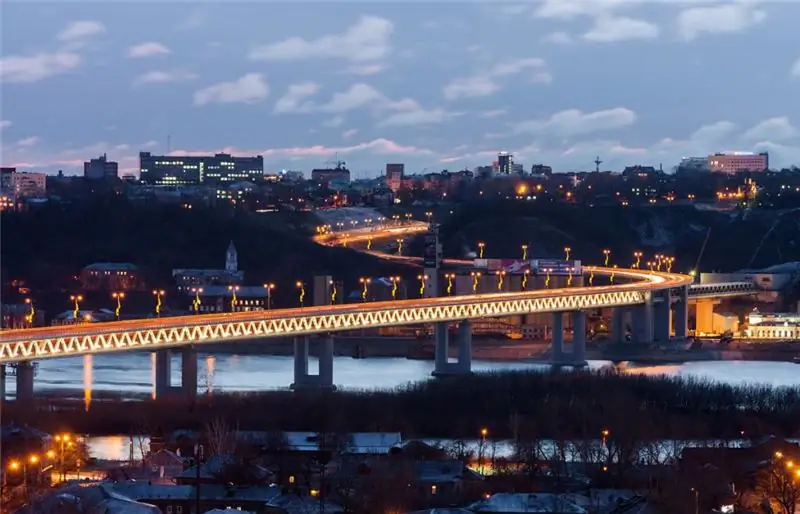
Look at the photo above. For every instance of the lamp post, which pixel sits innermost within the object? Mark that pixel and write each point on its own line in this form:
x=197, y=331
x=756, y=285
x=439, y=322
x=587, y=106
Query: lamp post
x=607, y=254
x=365, y=282
x=302, y=287
x=422, y=279
x=696, y=500
x=547, y=277
x=118, y=296
x=567, y=251
x=197, y=301
x=394, y=280
x=476, y=277
x=525, y=274
x=481, y=248
x=76, y=300
x=613, y=273
x=333, y=291
x=269, y=287
x=449, y=277
x=500, y=276
x=524, y=252
x=399, y=246
x=481, y=446
x=638, y=257
x=429, y=215
x=569, y=276
x=159, y=294
x=234, y=300
x=65, y=441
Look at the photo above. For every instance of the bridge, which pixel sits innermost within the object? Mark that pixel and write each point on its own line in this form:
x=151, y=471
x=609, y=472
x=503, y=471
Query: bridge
x=646, y=296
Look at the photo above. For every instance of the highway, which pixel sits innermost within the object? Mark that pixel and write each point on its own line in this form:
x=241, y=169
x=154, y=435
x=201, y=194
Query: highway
x=80, y=339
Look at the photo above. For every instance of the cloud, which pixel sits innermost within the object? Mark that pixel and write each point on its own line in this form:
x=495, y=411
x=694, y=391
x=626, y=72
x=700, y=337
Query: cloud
x=725, y=18
x=416, y=115
x=772, y=129
x=347, y=134
x=609, y=29
x=571, y=9
x=573, y=122
x=81, y=30
x=485, y=84
x=28, y=141
x=558, y=38
x=4, y=124
x=164, y=77
x=364, y=69
x=794, y=71
x=248, y=88
x=295, y=94
x=147, y=50
x=16, y=69
x=493, y=113
x=336, y=121
x=367, y=40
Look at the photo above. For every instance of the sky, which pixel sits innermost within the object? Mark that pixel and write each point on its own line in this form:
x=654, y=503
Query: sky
x=434, y=85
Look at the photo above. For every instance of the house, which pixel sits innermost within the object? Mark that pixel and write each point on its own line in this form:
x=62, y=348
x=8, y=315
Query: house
x=220, y=469
x=526, y=503
x=165, y=464
x=182, y=499
x=296, y=504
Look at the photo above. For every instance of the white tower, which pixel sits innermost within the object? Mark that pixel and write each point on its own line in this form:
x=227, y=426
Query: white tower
x=231, y=259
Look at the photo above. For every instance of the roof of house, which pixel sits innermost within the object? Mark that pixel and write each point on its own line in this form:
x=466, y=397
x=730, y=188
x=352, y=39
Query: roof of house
x=111, y=266
x=294, y=504
x=518, y=503
x=143, y=491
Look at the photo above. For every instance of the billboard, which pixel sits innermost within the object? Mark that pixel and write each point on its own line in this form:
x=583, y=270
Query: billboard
x=556, y=267
x=510, y=266
x=430, y=256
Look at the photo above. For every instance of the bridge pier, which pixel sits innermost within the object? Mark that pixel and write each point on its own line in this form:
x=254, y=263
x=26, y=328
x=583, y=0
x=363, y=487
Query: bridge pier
x=682, y=314
x=661, y=317
x=642, y=323
x=618, y=330
x=557, y=335
x=579, y=338
x=2, y=383
x=303, y=380
x=163, y=374
x=442, y=365
x=25, y=374
x=704, y=321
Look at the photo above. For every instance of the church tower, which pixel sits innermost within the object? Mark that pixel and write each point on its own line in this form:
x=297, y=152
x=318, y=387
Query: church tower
x=231, y=259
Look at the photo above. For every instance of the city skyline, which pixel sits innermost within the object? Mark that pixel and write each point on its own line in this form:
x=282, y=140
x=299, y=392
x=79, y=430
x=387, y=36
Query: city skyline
x=441, y=86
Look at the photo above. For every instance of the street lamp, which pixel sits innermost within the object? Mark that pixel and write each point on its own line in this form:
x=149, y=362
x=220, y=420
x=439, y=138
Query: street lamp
x=525, y=274
x=696, y=500
x=399, y=246
x=369, y=243
x=638, y=257
x=332, y=283
x=669, y=261
x=569, y=277
x=500, y=276
x=476, y=277
x=197, y=301
x=31, y=312
x=607, y=254
x=302, y=287
x=481, y=247
x=269, y=287
x=394, y=280
x=449, y=277
x=524, y=252
x=76, y=299
x=118, y=296
x=591, y=275
x=567, y=251
x=613, y=272
x=159, y=294
x=547, y=277
x=234, y=300
x=422, y=279
x=365, y=282
x=429, y=215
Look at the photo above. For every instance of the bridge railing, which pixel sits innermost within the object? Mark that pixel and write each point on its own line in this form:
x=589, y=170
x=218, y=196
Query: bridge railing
x=725, y=288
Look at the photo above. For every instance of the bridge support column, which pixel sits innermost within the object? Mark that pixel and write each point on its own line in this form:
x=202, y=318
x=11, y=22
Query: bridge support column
x=618, y=330
x=163, y=373
x=442, y=366
x=303, y=380
x=557, y=334
x=704, y=321
x=2, y=383
x=25, y=374
x=189, y=373
x=642, y=323
x=579, y=338
x=661, y=315
x=682, y=314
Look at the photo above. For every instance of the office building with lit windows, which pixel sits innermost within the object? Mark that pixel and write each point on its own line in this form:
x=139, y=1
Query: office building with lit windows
x=168, y=170
x=734, y=162
x=505, y=163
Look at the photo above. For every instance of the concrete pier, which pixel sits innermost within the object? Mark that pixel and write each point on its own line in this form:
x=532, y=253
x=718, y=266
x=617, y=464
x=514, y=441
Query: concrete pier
x=463, y=365
x=25, y=375
x=323, y=379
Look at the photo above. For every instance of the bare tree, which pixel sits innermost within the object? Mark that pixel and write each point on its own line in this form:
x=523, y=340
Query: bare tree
x=221, y=438
x=778, y=483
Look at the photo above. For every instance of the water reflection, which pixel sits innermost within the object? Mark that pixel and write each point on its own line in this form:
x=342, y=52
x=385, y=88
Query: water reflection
x=87, y=381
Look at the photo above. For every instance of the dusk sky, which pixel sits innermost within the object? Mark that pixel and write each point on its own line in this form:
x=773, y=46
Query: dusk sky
x=432, y=84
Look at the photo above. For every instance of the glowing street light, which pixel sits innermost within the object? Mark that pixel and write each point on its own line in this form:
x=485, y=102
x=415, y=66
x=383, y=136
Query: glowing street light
x=481, y=247
x=611, y=278
x=269, y=287
x=422, y=279
x=569, y=277
x=31, y=312
x=429, y=215
x=670, y=261
x=476, y=277
x=500, y=276
x=118, y=296
x=234, y=300
x=567, y=251
x=547, y=277
x=399, y=246
x=604, y=436
x=638, y=257
x=525, y=274
x=365, y=282
x=651, y=265
x=449, y=277
x=524, y=252
x=76, y=299
x=394, y=280
x=369, y=243
x=197, y=301
x=332, y=283
x=302, y=288
x=159, y=294
x=607, y=254
x=591, y=275
x=659, y=260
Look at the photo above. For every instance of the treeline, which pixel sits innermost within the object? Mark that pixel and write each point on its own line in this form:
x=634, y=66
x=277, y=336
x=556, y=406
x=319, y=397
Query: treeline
x=545, y=405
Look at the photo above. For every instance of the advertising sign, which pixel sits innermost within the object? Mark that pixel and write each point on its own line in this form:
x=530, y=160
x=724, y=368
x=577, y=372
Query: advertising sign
x=430, y=257
x=557, y=267
x=510, y=266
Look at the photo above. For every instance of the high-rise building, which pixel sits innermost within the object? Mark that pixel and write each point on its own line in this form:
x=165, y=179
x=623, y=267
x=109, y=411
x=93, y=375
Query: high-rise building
x=505, y=163
x=27, y=185
x=733, y=162
x=198, y=169
x=394, y=176
x=100, y=168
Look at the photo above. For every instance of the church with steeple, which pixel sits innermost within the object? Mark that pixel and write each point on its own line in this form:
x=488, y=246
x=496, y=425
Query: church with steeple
x=189, y=279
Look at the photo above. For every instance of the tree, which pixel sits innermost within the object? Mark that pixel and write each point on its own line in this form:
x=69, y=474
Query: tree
x=779, y=482
x=221, y=438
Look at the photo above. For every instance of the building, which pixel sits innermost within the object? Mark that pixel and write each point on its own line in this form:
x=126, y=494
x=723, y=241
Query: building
x=23, y=185
x=112, y=276
x=395, y=175
x=188, y=280
x=100, y=168
x=780, y=326
x=198, y=169
x=325, y=176
x=541, y=170
x=693, y=164
x=505, y=163
x=734, y=162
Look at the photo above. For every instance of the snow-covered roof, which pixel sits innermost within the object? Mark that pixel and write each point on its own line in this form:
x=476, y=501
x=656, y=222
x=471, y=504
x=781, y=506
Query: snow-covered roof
x=786, y=267
x=523, y=503
x=294, y=504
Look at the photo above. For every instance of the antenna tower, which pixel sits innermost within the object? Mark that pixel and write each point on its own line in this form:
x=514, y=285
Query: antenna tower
x=597, y=163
